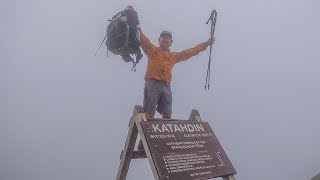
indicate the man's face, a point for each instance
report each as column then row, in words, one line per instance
column 165, row 41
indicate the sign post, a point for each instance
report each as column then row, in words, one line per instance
column 176, row 149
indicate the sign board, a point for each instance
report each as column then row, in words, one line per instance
column 185, row 150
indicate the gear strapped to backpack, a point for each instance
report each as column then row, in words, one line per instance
column 122, row 36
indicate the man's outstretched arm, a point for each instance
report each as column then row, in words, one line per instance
column 188, row 53
column 145, row 43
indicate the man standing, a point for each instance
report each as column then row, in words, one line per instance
column 157, row 91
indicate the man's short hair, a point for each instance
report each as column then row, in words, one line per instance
column 166, row 33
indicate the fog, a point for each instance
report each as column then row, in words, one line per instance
column 64, row 112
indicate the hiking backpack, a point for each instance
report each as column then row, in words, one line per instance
column 123, row 36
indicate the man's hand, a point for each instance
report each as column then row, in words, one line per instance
column 130, row 7
column 211, row 41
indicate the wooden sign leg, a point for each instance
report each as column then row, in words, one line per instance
column 126, row 154
column 195, row 116
column 145, row 145
column 231, row 177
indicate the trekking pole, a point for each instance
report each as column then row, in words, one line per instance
column 213, row 19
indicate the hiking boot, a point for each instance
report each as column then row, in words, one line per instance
column 127, row 58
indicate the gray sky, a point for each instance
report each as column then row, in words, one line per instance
column 64, row 112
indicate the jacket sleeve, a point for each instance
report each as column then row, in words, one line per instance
column 146, row 44
column 188, row 53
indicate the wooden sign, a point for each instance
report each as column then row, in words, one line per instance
column 185, row 150
column 176, row 149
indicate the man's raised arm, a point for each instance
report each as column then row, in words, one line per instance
column 145, row 43
column 188, row 53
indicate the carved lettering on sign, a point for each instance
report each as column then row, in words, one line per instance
column 186, row 150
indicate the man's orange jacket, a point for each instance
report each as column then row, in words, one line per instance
column 162, row 60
